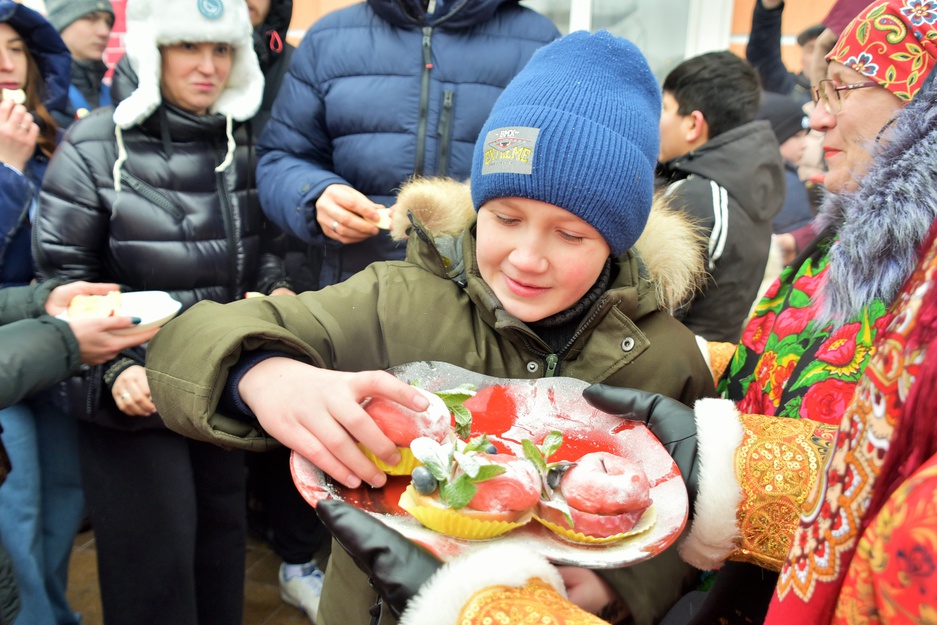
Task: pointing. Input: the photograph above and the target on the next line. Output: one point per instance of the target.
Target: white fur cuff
(714, 531)
(442, 598)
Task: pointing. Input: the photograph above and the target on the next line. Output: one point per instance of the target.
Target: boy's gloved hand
(670, 421)
(395, 566)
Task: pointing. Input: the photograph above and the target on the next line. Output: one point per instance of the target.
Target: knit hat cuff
(62, 13)
(575, 164)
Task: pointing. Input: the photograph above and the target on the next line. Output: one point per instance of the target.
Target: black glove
(395, 566)
(670, 421)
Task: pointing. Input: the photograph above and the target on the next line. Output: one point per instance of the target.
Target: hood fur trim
(881, 225)
(670, 246)
(155, 23)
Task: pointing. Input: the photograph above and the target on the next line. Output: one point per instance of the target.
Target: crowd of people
(661, 241)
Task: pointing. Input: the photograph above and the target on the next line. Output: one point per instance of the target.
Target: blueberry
(491, 449)
(423, 481)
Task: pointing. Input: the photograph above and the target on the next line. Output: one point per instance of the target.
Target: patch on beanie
(510, 150)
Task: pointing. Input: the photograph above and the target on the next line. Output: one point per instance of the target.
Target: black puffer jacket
(176, 225)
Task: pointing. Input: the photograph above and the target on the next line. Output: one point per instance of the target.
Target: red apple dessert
(471, 495)
(600, 498)
(402, 426)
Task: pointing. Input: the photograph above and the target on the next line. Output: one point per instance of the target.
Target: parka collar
(450, 14)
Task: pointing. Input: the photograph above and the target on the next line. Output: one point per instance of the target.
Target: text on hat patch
(510, 150)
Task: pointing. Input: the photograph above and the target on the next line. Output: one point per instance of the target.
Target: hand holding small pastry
(18, 135)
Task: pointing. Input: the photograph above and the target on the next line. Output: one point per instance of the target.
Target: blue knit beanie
(578, 128)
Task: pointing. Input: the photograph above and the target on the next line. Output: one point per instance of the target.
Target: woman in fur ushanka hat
(157, 193)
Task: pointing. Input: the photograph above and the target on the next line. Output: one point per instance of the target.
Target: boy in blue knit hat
(532, 272)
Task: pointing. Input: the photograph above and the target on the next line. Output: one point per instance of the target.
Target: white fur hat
(154, 23)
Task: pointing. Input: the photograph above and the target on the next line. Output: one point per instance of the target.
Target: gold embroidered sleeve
(778, 466)
(533, 604)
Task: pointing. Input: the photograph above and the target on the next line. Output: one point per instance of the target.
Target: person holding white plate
(157, 193)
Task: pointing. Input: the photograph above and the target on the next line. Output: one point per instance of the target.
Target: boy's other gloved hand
(670, 421)
(396, 566)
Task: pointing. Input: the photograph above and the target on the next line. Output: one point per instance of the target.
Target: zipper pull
(427, 54)
(552, 361)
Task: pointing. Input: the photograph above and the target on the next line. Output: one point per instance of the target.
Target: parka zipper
(230, 235)
(424, 101)
(152, 195)
(445, 132)
(552, 361)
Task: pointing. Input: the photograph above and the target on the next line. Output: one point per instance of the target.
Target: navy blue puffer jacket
(379, 92)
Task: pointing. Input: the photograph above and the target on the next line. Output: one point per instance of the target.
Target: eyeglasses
(828, 91)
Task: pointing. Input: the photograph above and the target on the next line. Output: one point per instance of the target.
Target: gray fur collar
(882, 224)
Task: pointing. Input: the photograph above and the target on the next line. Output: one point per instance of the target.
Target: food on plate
(85, 306)
(17, 96)
(599, 498)
(383, 219)
(402, 425)
(466, 492)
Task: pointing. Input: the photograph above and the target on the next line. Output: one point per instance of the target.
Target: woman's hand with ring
(131, 392)
(341, 205)
(18, 135)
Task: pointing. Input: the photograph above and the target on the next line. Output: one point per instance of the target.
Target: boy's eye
(505, 220)
(223, 50)
(575, 238)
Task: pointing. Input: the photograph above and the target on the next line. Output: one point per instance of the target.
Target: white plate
(154, 308)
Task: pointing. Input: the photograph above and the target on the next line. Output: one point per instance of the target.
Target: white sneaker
(301, 586)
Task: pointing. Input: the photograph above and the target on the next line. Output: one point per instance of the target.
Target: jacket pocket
(445, 132)
(152, 195)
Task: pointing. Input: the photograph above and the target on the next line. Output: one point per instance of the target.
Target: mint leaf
(458, 493)
(463, 420)
(433, 455)
(551, 443)
(479, 443)
(533, 453)
(468, 463)
(488, 471)
(454, 399)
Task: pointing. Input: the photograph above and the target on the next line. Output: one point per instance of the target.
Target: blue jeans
(41, 506)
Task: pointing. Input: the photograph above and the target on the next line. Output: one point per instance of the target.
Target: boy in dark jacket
(540, 278)
(725, 171)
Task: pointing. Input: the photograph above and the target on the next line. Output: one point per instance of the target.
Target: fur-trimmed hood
(670, 247)
(882, 224)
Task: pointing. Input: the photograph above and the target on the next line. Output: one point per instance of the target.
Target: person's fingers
(328, 462)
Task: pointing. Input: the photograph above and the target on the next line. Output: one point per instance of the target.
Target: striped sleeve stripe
(717, 238)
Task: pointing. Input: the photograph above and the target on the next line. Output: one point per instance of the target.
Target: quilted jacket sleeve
(71, 226)
(295, 150)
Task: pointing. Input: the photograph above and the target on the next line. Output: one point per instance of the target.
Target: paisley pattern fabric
(784, 365)
(907, 30)
(893, 576)
(824, 544)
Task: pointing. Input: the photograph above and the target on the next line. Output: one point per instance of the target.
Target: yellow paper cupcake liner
(644, 523)
(407, 463)
(452, 522)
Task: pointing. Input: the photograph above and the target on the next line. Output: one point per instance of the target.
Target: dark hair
(35, 89)
(809, 34)
(720, 85)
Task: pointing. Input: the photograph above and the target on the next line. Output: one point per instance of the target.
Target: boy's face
(674, 129)
(538, 258)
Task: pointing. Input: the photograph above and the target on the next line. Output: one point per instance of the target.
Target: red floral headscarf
(893, 42)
